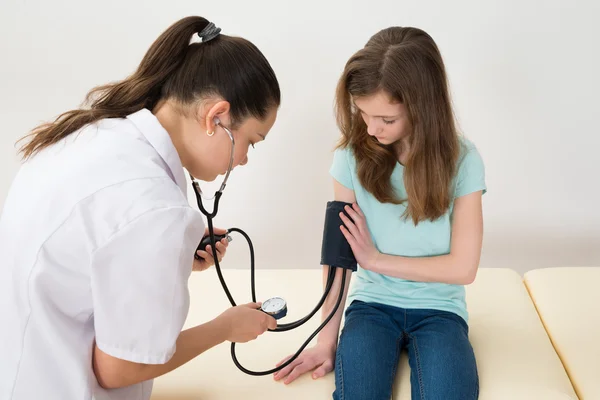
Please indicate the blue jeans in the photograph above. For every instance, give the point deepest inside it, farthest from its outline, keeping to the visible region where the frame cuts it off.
(440, 355)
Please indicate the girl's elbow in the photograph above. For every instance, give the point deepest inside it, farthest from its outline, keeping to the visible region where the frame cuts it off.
(468, 276)
(465, 273)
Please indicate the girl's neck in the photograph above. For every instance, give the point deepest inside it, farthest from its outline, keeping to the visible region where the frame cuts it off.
(401, 149)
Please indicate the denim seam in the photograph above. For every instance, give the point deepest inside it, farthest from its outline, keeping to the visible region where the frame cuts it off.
(394, 370)
(341, 377)
(418, 362)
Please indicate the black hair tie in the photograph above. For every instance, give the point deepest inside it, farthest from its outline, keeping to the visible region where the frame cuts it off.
(209, 32)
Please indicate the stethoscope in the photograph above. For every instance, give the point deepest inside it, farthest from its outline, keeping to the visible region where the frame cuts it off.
(275, 306)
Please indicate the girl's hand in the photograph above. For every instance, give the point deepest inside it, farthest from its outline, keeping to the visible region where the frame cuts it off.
(319, 360)
(358, 236)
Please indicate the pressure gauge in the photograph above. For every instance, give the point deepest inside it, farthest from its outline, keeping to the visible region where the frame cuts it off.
(275, 307)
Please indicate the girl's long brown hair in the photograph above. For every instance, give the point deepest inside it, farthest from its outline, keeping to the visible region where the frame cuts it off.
(406, 64)
(174, 68)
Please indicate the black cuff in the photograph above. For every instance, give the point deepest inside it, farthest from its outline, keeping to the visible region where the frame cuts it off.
(335, 249)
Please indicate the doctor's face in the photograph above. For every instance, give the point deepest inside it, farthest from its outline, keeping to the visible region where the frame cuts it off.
(217, 153)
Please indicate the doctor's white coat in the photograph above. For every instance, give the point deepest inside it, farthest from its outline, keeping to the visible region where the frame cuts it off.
(96, 244)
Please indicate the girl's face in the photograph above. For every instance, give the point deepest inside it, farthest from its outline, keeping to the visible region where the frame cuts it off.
(386, 121)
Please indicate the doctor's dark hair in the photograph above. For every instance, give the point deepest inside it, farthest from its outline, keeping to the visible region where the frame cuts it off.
(174, 68)
(406, 65)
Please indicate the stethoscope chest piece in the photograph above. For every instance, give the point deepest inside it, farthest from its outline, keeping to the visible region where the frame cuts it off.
(275, 307)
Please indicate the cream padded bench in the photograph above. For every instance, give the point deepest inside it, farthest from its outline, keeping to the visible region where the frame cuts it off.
(515, 356)
(568, 301)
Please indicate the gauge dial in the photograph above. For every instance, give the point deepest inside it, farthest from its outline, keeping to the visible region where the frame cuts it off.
(273, 305)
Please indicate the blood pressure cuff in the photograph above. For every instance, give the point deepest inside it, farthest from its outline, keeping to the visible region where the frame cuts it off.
(335, 249)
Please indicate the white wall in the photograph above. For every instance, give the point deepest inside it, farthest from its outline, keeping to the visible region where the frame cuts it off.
(524, 77)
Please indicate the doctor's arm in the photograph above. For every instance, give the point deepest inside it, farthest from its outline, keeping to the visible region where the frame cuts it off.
(458, 267)
(239, 324)
(112, 372)
(139, 282)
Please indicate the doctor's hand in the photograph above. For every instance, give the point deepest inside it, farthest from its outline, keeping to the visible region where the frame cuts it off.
(357, 234)
(245, 322)
(207, 253)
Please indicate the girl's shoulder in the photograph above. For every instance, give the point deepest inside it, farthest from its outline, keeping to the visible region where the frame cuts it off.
(470, 173)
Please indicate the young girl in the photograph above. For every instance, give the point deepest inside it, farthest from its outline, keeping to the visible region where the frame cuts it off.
(416, 228)
(97, 238)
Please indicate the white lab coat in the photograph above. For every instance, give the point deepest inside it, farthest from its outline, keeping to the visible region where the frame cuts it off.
(97, 240)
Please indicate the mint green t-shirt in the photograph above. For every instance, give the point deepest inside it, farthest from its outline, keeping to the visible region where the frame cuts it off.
(394, 235)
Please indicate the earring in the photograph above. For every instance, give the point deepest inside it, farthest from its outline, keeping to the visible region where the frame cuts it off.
(210, 133)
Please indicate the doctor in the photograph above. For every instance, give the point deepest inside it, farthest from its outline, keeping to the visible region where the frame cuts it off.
(97, 237)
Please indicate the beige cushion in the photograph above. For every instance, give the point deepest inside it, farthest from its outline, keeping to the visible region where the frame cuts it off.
(567, 300)
(516, 359)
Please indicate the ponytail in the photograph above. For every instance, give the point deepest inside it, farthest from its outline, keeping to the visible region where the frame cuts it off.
(163, 62)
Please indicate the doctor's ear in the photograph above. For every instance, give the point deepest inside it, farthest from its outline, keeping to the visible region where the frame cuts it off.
(216, 114)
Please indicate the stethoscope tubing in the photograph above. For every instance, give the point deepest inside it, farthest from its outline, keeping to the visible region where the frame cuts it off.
(280, 328)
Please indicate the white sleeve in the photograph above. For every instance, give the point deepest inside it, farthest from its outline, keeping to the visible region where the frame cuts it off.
(139, 282)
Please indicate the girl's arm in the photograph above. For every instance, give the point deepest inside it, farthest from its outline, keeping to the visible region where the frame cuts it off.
(458, 267)
(329, 334)
(320, 358)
